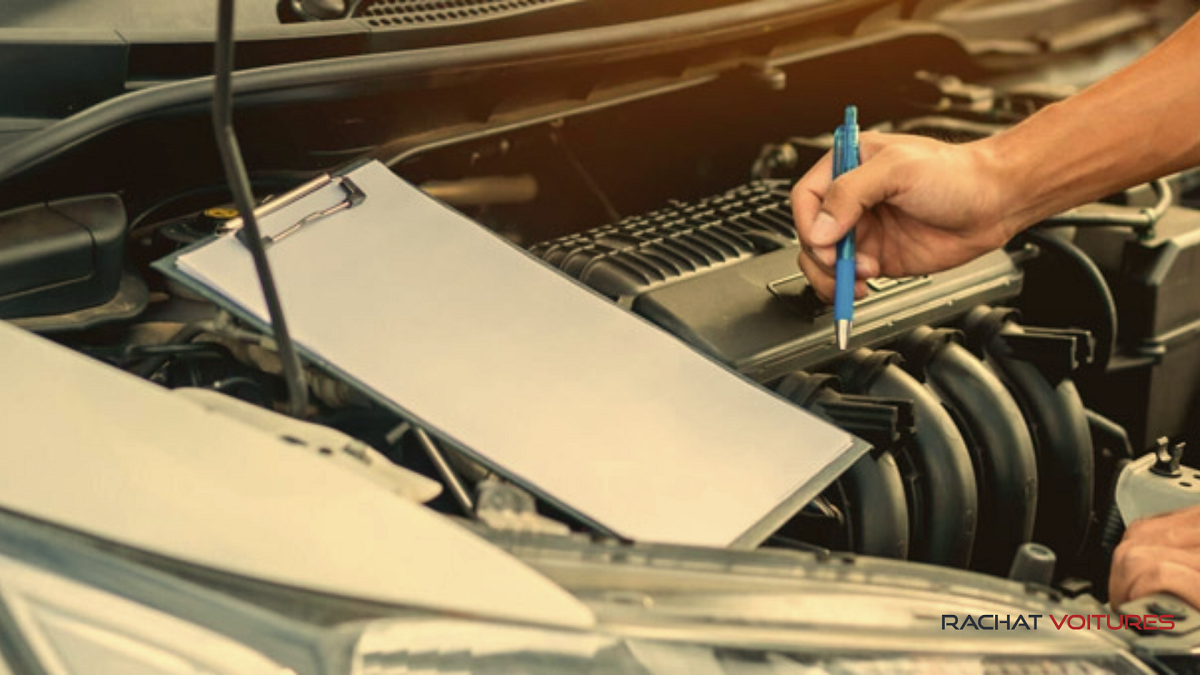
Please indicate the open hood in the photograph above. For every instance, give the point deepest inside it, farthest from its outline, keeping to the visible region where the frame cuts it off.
(137, 465)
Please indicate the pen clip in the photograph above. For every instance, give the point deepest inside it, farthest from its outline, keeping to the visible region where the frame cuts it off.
(354, 197)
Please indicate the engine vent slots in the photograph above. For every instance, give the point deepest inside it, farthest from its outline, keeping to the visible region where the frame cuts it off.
(630, 256)
(441, 12)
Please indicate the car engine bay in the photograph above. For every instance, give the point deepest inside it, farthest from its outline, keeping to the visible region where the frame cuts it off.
(1001, 398)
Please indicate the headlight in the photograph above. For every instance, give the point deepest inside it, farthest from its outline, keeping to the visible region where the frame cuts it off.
(67, 627)
(450, 646)
(73, 604)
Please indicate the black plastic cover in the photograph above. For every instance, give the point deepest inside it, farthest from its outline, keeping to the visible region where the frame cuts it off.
(61, 256)
(628, 258)
(759, 317)
(1152, 392)
(721, 274)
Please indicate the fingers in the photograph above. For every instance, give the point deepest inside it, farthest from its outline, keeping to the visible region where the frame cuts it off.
(1160, 554)
(808, 193)
(821, 277)
(866, 266)
(819, 231)
(825, 209)
(1140, 570)
(807, 196)
(848, 199)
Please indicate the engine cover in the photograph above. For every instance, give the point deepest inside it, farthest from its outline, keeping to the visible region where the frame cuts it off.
(722, 275)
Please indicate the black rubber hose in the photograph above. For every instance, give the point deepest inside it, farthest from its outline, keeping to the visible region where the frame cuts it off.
(877, 509)
(944, 528)
(999, 442)
(1110, 434)
(1055, 414)
(1065, 462)
(183, 336)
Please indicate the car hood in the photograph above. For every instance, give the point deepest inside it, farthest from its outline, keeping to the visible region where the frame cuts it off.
(102, 452)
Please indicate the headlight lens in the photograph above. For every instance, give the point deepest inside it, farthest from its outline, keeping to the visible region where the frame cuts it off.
(72, 628)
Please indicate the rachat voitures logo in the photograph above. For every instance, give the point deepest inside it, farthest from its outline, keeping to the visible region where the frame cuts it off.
(1050, 622)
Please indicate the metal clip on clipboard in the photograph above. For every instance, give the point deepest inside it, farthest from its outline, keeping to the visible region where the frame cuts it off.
(354, 196)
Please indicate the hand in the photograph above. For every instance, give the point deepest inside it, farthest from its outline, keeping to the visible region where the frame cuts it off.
(1160, 554)
(920, 206)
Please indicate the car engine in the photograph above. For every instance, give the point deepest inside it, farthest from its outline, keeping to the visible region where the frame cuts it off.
(1001, 398)
(990, 400)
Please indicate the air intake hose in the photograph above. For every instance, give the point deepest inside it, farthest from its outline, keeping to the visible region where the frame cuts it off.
(943, 504)
(1035, 365)
(999, 442)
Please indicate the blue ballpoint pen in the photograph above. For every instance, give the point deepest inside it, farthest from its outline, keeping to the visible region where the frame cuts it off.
(845, 158)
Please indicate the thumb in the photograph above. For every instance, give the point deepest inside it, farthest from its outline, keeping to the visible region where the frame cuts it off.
(847, 199)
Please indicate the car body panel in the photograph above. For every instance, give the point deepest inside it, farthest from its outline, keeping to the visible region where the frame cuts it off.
(93, 449)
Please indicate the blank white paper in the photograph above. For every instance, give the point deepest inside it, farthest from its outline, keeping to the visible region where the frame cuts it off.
(543, 380)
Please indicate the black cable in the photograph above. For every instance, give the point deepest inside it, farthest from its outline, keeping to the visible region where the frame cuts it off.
(141, 217)
(239, 185)
(177, 351)
(223, 188)
(151, 365)
(122, 356)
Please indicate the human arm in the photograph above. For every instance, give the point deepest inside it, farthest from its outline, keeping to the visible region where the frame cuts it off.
(922, 206)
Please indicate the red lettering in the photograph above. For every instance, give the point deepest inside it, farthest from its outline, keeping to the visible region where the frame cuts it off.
(1120, 622)
(1150, 621)
(1082, 622)
(1168, 622)
(1132, 620)
(1058, 624)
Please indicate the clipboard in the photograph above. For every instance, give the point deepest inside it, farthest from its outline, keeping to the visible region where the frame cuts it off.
(528, 372)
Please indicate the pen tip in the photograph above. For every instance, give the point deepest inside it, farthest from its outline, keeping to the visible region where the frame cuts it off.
(842, 334)
(851, 115)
